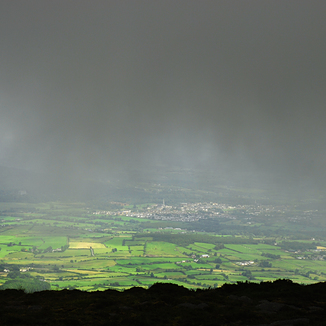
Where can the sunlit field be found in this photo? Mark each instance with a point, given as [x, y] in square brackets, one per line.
[70, 247]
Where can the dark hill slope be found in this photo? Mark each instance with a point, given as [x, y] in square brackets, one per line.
[279, 303]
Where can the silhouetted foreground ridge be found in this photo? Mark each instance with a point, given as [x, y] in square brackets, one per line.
[281, 302]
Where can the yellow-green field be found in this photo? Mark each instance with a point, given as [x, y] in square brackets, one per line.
[84, 245]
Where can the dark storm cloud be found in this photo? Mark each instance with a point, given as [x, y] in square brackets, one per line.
[98, 85]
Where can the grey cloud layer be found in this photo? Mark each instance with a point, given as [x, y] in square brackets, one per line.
[89, 86]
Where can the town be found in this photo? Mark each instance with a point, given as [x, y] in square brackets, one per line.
[189, 212]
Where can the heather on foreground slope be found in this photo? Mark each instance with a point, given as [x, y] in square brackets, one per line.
[281, 302]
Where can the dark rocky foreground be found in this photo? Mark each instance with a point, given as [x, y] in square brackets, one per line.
[270, 303]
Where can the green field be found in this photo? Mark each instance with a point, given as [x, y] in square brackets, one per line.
[70, 247]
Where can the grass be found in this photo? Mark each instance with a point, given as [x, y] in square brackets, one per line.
[59, 224]
[204, 246]
[84, 245]
[160, 248]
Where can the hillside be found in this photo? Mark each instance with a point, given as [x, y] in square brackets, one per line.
[281, 302]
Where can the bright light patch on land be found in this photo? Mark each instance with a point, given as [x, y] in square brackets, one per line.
[84, 245]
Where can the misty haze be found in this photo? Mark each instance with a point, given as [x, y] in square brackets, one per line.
[147, 142]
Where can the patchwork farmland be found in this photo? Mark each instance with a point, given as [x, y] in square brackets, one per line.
[67, 246]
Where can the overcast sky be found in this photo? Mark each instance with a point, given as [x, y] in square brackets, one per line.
[97, 86]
